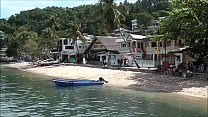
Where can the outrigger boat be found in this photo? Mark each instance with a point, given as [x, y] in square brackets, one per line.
[60, 82]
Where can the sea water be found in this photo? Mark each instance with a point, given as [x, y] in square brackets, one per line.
[33, 95]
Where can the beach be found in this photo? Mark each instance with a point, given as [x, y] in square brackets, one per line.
[151, 82]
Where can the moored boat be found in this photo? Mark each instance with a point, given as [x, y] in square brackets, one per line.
[68, 82]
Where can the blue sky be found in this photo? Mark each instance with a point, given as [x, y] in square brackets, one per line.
[12, 7]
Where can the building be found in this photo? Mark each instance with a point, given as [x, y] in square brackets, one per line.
[134, 27]
[68, 51]
[121, 32]
[102, 48]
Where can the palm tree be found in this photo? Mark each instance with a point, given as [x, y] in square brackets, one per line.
[55, 26]
[27, 41]
[112, 13]
[74, 33]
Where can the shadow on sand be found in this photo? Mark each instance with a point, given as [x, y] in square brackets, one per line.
[153, 82]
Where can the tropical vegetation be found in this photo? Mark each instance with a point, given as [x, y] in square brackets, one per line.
[32, 31]
[188, 22]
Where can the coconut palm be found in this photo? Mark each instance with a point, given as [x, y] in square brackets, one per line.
[112, 13]
[74, 33]
[27, 41]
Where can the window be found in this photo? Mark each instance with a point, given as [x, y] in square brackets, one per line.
[178, 58]
[154, 44]
[138, 45]
[65, 41]
[123, 45]
[80, 46]
[133, 44]
[69, 47]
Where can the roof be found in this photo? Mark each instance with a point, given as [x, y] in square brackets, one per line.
[121, 29]
[137, 37]
[108, 42]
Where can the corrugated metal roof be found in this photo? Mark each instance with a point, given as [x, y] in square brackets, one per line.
[138, 37]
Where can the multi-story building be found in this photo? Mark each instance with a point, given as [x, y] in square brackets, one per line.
[134, 27]
[147, 52]
[67, 49]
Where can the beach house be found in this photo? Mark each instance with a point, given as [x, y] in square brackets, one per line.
[102, 48]
[67, 50]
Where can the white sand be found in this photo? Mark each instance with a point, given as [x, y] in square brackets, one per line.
[117, 78]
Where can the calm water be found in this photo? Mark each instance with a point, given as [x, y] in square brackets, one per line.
[32, 95]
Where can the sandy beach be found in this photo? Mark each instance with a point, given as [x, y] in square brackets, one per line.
[127, 79]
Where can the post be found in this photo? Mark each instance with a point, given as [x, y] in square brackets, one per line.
[84, 61]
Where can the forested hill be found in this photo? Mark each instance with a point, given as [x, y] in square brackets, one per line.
[89, 16]
[32, 31]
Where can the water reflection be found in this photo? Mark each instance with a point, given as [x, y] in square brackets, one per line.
[26, 94]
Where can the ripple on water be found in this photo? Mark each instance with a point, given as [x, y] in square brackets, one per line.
[36, 97]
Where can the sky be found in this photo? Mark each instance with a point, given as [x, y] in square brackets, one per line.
[12, 7]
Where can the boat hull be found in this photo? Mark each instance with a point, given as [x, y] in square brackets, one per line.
[60, 82]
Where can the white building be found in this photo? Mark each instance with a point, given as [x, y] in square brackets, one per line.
[68, 49]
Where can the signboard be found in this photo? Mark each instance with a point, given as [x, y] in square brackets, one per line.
[138, 56]
[149, 50]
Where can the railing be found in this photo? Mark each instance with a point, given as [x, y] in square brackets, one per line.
[146, 63]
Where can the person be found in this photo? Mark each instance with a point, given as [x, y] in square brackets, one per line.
[103, 61]
[121, 62]
[125, 62]
[190, 66]
[118, 62]
[201, 68]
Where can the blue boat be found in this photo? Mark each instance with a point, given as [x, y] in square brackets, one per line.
[60, 82]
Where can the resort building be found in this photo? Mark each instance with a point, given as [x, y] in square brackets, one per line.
[67, 49]
[102, 48]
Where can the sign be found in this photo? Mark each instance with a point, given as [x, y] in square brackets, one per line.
[149, 50]
[138, 56]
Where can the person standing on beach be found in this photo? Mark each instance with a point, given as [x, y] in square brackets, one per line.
[190, 66]
[118, 62]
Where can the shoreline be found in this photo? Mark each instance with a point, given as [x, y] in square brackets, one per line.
[150, 82]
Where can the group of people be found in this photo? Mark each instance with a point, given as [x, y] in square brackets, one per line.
[196, 67]
[123, 62]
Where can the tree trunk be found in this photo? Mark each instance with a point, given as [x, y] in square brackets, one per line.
[77, 51]
[130, 50]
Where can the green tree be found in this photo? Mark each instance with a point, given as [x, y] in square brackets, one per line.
[188, 22]
[48, 40]
[112, 14]
[27, 42]
[75, 33]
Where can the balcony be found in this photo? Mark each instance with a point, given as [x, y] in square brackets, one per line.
[124, 50]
